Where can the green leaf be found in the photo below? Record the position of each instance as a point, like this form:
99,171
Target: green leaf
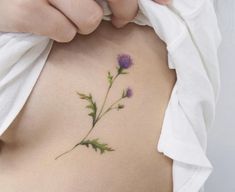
110,78
90,96
123,93
90,106
91,114
95,107
120,106
123,73
83,96
96,145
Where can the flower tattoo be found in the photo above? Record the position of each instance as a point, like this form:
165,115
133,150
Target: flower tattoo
124,63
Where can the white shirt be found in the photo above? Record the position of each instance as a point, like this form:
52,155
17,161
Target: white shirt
189,29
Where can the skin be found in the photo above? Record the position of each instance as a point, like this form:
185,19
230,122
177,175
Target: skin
62,24
55,118
61,20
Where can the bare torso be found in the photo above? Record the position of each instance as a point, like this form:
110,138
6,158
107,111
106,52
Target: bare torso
55,118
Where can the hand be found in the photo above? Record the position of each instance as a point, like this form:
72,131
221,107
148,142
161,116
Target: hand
62,19
57,19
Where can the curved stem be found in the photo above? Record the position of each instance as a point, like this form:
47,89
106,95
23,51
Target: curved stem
65,152
110,108
76,144
86,135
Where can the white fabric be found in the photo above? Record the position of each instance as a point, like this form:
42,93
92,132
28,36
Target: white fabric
189,28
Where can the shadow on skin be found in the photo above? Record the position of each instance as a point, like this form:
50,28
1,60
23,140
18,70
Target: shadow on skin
2,143
12,141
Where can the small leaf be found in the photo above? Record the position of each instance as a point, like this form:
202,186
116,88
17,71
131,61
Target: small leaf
90,96
96,145
110,78
91,114
123,93
123,73
90,106
109,75
120,106
83,96
94,107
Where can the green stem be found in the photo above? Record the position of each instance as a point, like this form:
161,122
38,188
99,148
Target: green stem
110,108
76,144
65,152
106,96
86,135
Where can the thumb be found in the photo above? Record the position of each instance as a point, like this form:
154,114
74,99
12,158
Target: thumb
123,11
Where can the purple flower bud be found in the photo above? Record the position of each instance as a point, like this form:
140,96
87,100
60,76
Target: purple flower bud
124,61
129,92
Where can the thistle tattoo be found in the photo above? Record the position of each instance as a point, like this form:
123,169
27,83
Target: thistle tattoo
124,63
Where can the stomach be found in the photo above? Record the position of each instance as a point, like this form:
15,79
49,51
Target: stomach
55,118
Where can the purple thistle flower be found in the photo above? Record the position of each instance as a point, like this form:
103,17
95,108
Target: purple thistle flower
124,61
129,92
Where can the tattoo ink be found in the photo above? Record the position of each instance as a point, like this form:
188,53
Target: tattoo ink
124,63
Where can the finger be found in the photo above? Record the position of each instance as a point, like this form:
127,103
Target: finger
42,19
163,2
123,11
54,25
85,14
47,22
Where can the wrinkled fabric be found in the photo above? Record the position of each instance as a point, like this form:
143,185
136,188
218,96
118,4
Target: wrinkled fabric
189,29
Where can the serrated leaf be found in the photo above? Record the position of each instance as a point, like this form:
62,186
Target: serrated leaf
83,96
94,106
96,145
90,106
90,96
91,114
